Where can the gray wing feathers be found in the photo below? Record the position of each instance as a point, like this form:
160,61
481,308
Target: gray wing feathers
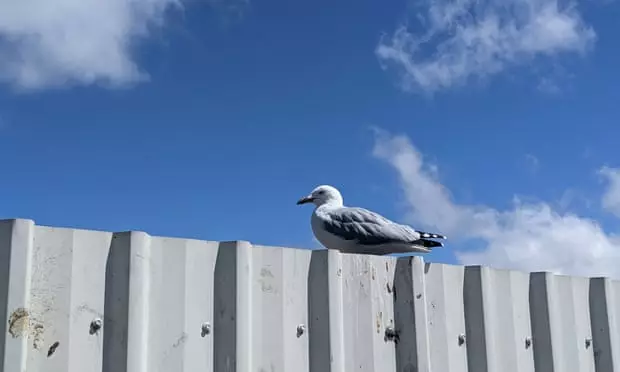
367,227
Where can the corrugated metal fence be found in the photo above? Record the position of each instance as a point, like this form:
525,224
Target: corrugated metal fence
90,301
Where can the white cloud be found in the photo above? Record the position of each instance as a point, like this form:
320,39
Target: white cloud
47,43
611,198
467,38
528,236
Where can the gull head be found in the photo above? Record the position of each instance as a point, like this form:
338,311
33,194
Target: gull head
323,194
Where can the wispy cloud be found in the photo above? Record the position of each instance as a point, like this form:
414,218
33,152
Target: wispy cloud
531,163
528,236
549,86
573,198
77,42
465,38
611,197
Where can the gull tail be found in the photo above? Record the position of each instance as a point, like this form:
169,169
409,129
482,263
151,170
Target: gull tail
427,243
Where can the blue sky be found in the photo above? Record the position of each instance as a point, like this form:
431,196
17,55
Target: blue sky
496,125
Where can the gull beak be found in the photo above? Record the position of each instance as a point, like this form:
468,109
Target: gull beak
305,199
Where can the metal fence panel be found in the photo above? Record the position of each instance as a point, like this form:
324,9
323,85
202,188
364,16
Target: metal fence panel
497,320
94,301
446,317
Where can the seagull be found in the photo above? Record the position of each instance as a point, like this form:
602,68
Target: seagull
358,230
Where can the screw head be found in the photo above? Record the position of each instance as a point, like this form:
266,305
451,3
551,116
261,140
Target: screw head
528,342
95,326
588,342
301,329
461,339
391,334
205,329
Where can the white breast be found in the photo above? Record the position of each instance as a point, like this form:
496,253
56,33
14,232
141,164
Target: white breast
327,239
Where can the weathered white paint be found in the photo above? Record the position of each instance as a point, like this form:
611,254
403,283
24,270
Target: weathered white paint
170,304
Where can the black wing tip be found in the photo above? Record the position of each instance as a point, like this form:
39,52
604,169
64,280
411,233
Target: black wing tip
426,235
